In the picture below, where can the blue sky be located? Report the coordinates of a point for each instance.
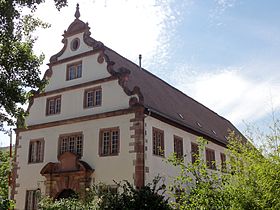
(223, 53)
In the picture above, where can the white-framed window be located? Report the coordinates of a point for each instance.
(109, 142)
(93, 97)
(31, 200)
(53, 105)
(36, 151)
(71, 143)
(74, 70)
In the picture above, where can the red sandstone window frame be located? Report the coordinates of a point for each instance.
(178, 147)
(53, 105)
(194, 152)
(74, 70)
(109, 141)
(210, 158)
(93, 97)
(31, 200)
(71, 142)
(36, 151)
(158, 142)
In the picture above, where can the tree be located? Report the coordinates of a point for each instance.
(252, 179)
(196, 187)
(126, 197)
(5, 203)
(19, 66)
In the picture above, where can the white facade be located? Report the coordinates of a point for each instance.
(134, 161)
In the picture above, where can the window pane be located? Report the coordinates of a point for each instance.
(51, 106)
(90, 99)
(57, 105)
(158, 142)
(72, 144)
(194, 152)
(63, 146)
(178, 147)
(32, 153)
(72, 72)
(79, 70)
(106, 143)
(115, 142)
(79, 145)
(210, 158)
(98, 97)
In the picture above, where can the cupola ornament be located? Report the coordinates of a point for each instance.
(77, 13)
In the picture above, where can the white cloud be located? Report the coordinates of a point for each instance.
(229, 93)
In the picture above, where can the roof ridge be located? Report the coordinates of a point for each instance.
(181, 92)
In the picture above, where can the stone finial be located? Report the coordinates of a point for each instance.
(77, 13)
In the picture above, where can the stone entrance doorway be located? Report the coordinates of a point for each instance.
(66, 193)
(67, 175)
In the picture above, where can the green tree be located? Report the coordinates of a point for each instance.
(125, 198)
(5, 203)
(252, 179)
(196, 186)
(19, 66)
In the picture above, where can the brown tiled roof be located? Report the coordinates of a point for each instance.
(163, 100)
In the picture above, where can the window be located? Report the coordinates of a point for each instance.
(74, 70)
(53, 105)
(36, 151)
(71, 143)
(210, 158)
(75, 44)
(178, 146)
(158, 142)
(223, 162)
(31, 202)
(109, 141)
(194, 152)
(92, 97)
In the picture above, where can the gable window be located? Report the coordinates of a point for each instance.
(178, 147)
(36, 151)
(223, 162)
(194, 152)
(31, 200)
(53, 105)
(109, 143)
(93, 97)
(158, 142)
(71, 143)
(210, 158)
(74, 70)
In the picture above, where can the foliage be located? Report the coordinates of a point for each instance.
(19, 66)
(47, 203)
(5, 203)
(4, 173)
(196, 187)
(101, 197)
(252, 179)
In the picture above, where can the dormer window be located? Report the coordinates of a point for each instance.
(74, 71)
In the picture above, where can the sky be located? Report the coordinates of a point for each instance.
(223, 53)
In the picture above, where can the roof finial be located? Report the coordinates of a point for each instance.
(77, 13)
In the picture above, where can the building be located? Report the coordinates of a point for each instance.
(103, 118)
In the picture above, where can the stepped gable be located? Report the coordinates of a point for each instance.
(166, 101)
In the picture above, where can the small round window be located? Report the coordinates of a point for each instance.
(75, 44)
